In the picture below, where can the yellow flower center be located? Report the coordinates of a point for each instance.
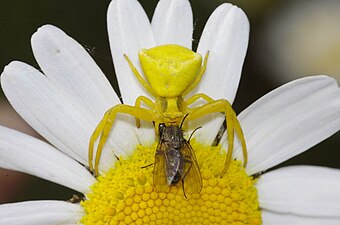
(125, 194)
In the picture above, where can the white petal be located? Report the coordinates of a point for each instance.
(129, 31)
(50, 112)
(67, 65)
(41, 213)
(45, 108)
(210, 125)
(225, 36)
(270, 218)
(26, 154)
(172, 23)
(301, 190)
(290, 120)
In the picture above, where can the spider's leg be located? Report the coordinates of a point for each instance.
(233, 125)
(104, 127)
(147, 102)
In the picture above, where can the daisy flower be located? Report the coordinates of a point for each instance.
(66, 99)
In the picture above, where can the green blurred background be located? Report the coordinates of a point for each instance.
(288, 39)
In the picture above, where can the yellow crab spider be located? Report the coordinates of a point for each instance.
(171, 72)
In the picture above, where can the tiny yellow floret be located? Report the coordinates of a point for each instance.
(125, 194)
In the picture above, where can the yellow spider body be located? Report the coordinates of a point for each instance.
(171, 72)
(170, 69)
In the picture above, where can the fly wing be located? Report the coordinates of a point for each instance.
(159, 174)
(191, 173)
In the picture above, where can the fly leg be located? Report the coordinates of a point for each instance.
(147, 165)
(183, 189)
(186, 161)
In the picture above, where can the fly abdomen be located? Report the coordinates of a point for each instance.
(176, 178)
(173, 166)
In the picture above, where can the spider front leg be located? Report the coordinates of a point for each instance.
(232, 122)
(104, 127)
(147, 102)
(200, 74)
(95, 135)
(196, 97)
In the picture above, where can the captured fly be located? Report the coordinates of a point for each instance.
(175, 161)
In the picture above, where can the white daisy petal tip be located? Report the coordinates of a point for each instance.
(289, 120)
(301, 190)
(28, 91)
(41, 213)
(270, 218)
(234, 12)
(44, 33)
(47, 28)
(70, 67)
(172, 23)
(10, 73)
(11, 68)
(21, 152)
